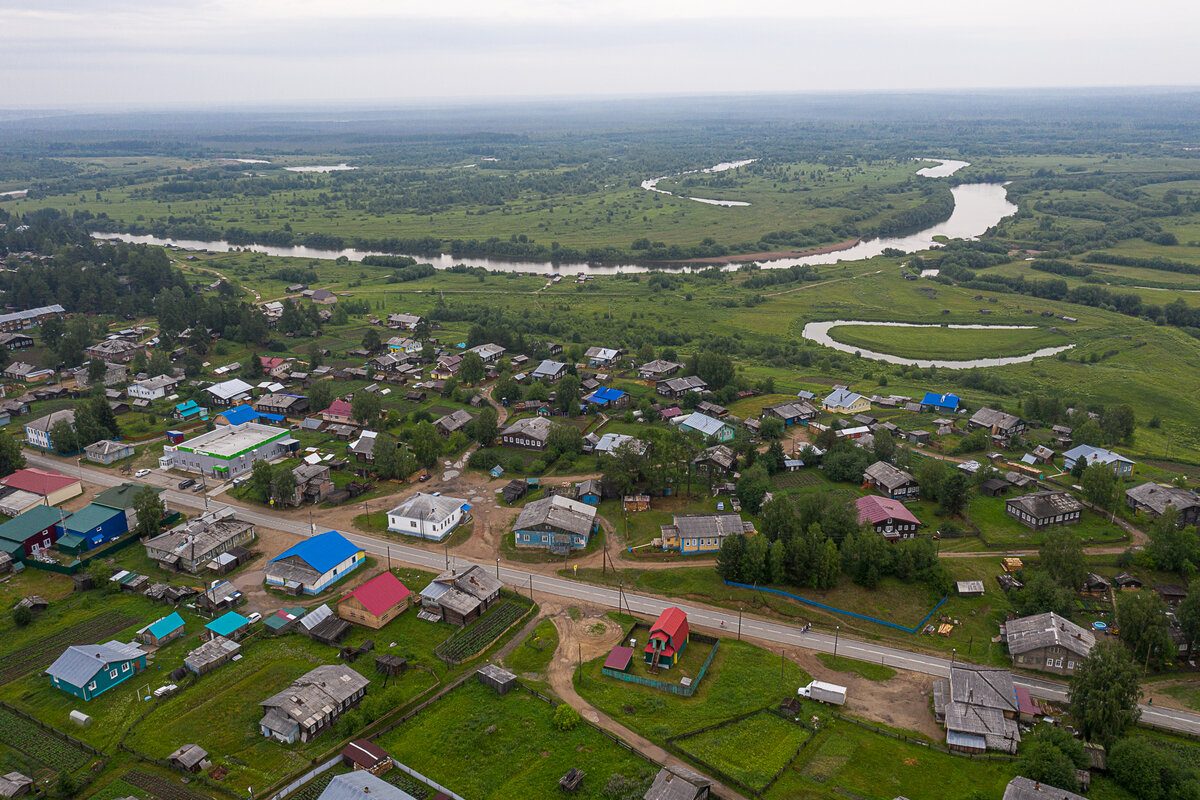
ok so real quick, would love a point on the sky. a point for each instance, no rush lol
(155, 53)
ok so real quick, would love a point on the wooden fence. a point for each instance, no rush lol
(683, 691)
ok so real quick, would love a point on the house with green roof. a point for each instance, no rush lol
(161, 631)
(122, 497)
(94, 524)
(35, 530)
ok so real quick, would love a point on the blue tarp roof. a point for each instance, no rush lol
(166, 625)
(223, 626)
(605, 395)
(323, 552)
(940, 400)
(236, 415)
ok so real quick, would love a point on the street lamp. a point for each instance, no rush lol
(836, 630)
(497, 569)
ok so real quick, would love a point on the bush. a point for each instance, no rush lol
(565, 718)
(22, 616)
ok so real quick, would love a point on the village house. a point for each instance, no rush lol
(549, 371)
(30, 533)
(716, 460)
(675, 388)
(312, 703)
(658, 370)
(600, 356)
(1021, 788)
(556, 522)
(283, 405)
(1154, 499)
(708, 427)
(1003, 427)
(376, 602)
(446, 367)
(313, 564)
(403, 345)
(197, 543)
(363, 448)
(979, 708)
(44, 485)
(404, 322)
(313, 483)
(230, 625)
(92, 669)
(669, 635)
(152, 388)
(489, 352)
(106, 451)
(339, 413)
(428, 516)
(20, 320)
(531, 433)
(459, 597)
(162, 631)
(37, 432)
(1047, 642)
(115, 351)
(890, 481)
(792, 413)
(1040, 510)
(26, 373)
(453, 422)
(15, 341)
(230, 392)
(887, 516)
(322, 296)
(190, 758)
(91, 526)
(1089, 455)
(939, 403)
(701, 533)
(844, 401)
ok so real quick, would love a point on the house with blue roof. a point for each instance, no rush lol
(236, 415)
(315, 564)
(162, 631)
(231, 625)
(1089, 455)
(95, 525)
(940, 402)
(91, 669)
(607, 397)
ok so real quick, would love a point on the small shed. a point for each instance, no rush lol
(189, 758)
(497, 677)
(34, 603)
(83, 581)
(162, 631)
(571, 781)
(514, 490)
(366, 755)
(970, 588)
(81, 719)
(636, 502)
(14, 784)
(994, 487)
(231, 625)
(620, 658)
(390, 666)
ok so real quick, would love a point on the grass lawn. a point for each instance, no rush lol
(947, 343)
(536, 651)
(645, 526)
(690, 662)
(750, 750)
(742, 678)
(998, 530)
(864, 669)
(510, 745)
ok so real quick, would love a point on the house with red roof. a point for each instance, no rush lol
(668, 636)
(887, 516)
(55, 487)
(339, 412)
(376, 602)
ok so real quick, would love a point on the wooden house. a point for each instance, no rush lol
(376, 602)
(668, 637)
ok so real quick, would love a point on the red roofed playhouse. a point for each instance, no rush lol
(376, 602)
(888, 517)
(668, 637)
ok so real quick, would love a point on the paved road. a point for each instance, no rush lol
(778, 633)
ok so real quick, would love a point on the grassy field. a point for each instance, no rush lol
(947, 343)
(863, 669)
(750, 750)
(534, 654)
(510, 745)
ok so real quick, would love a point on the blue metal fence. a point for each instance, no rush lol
(915, 629)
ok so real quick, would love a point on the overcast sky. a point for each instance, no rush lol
(64, 53)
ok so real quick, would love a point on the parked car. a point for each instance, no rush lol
(141, 473)
(199, 487)
(186, 482)
(424, 477)
(253, 618)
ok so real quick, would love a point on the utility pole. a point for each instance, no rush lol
(446, 550)
(836, 630)
(497, 569)
(389, 555)
(531, 587)
(739, 623)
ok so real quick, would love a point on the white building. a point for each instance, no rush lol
(152, 388)
(229, 450)
(37, 432)
(429, 516)
(230, 392)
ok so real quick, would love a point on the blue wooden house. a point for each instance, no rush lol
(556, 522)
(95, 525)
(88, 670)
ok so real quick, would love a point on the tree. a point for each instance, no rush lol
(623, 468)
(1104, 692)
(1043, 762)
(715, 369)
(1061, 556)
(954, 493)
(366, 407)
(865, 557)
(730, 557)
(564, 440)
(1143, 619)
(885, 445)
(567, 398)
(22, 616)
(426, 444)
(1099, 485)
(96, 370)
(752, 487)
(1042, 594)
(1188, 614)
(320, 395)
(63, 438)
(471, 370)
(314, 356)
(1151, 772)
(259, 484)
(385, 456)
(11, 457)
(1173, 548)
(283, 484)
(771, 428)
(930, 474)
(779, 519)
(150, 512)
(485, 426)
(507, 389)
(774, 458)
(565, 718)
(371, 340)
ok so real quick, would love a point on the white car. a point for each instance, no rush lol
(141, 473)
(253, 618)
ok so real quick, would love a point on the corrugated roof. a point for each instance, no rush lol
(38, 481)
(323, 552)
(381, 593)
(90, 516)
(227, 624)
(33, 521)
(236, 415)
(168, 624)
(79, 663)
(875, 509)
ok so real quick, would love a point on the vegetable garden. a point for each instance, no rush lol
(42, 653)
(160, 787)
(39, 744)
(475, 638)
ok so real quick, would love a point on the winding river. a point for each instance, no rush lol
(819, 332)
(977, 207)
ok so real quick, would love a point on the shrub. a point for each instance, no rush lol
(565, 718)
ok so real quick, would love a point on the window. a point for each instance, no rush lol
(1049, 662)
(125, 667)
(1058, 662)
(1070, 665)
(112, 673)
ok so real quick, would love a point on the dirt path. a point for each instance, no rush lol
(573, 637)
(821, 283)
